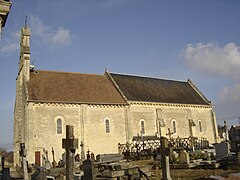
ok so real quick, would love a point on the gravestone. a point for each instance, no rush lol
(47, 165)
(88, 168)
(92, 156)
(222, 149)
(45, 162)
(39, 174)
(165, 159)
(184, 157)
(5, 174)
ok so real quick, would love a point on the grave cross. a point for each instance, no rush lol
(54, 163)
(169, 134)
(70, 144)
(165, 159)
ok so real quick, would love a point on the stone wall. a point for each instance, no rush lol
(169, 113)
(101, 127)
(89, 128)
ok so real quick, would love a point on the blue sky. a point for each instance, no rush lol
(168, 39)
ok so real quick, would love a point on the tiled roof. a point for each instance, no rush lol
(146, 89)
(52, 86)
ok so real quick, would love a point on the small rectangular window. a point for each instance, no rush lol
(107, 126)
(142, 127)
(59, 126)
(200, 126)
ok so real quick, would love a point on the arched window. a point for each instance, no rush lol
(59, 126)
(107, 126)
(200, 125)
(174, 126)
(142, 127)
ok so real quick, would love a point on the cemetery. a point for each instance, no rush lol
(143, 158)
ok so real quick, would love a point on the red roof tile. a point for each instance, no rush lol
(52, 86)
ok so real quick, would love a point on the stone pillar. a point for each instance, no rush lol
(70, 144)
(23, 155)
(165, 159)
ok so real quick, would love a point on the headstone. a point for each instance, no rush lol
(5, 174)
(70, 144)
(47, 165)
(88, 169)
(222, 149)
(40, 174)
(92, 156)
(45, 160)
(165, 159)
(184, 157)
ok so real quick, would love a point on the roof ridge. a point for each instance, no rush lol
(150, 77)
(64, 72)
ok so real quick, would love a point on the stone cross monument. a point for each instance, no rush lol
(70, 144)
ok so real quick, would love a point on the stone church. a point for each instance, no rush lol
(104, 109)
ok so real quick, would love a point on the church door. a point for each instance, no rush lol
(37, 158)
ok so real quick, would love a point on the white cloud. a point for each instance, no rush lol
(228, 104)
(47, 34)
(225, 61)
(9, 47)
(40, 32)
(230, 94)
(10, 43)
(61, 37)
(212, 58)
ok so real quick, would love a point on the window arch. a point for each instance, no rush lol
(142, 126)
(107, 126)
(174, 126)
(59, 126)
(200, 125)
